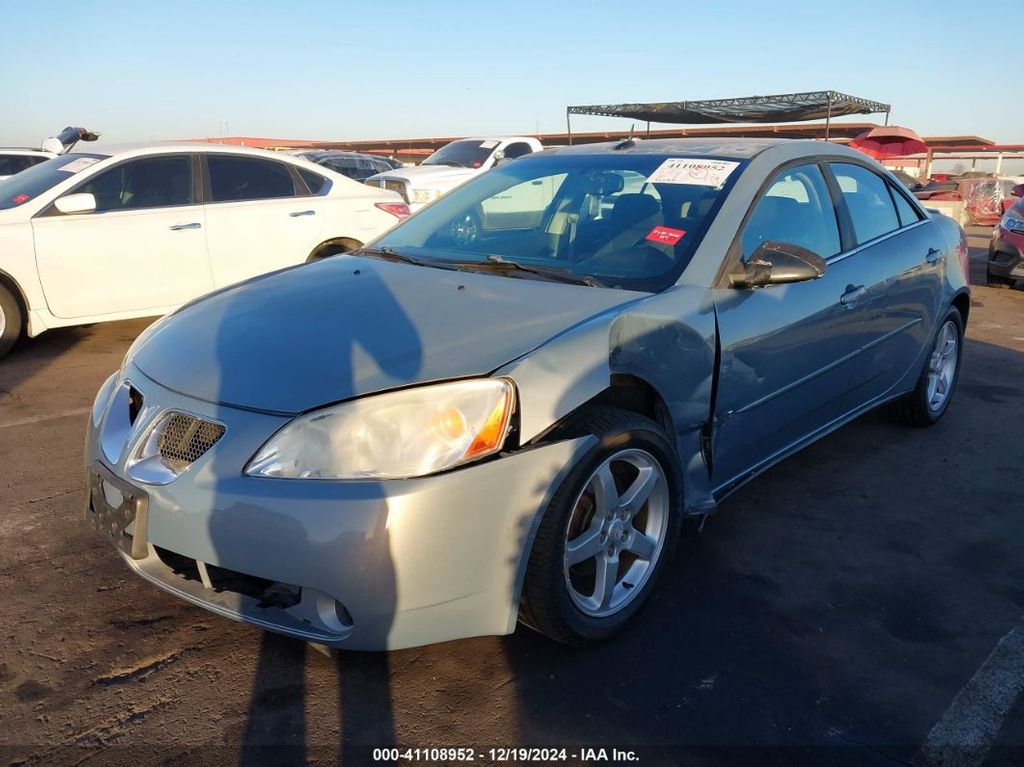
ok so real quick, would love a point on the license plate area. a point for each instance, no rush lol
(118, 511)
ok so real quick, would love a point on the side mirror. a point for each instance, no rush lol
(776, 263)
(81, 202)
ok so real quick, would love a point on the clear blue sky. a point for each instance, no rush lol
(354, 70)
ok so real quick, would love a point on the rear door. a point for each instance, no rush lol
(259, 214)
(899, 259)
(786, 350)
(144, 247)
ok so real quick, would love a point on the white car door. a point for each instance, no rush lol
(143, 248)
(256, 220)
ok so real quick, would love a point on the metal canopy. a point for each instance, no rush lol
(786, 107)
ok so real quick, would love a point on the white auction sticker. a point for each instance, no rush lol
(80, 164)
(489, 144)
(696, 171)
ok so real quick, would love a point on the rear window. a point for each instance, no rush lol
(314, 181)
(29, 184)
(16, 163)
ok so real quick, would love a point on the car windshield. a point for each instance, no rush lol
(624, 220)
(29, 184)
(462, 154)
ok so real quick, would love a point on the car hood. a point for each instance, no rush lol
(422, 175)
(347, 326)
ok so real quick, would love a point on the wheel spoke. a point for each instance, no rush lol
(638, 493)
(604, 579)
(642, 545)
(584, 546)
(606, 495)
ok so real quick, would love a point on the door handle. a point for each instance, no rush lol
(179, 227)
(297, 213)
(853, 295)
(933, 256)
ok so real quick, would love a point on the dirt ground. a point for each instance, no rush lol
(833, 608)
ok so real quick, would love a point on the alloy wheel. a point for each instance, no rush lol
(616, 532)
(942, 366)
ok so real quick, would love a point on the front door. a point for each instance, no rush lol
(786, 350)
(143, 248)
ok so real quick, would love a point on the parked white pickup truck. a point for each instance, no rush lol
(452, 165)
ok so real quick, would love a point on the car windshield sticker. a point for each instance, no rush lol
(665, 235)
(695, 171)
(80, 164)
(18, 199)
(488, 144)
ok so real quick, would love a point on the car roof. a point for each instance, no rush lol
(113, 149)
(721, 147)
(22, 150)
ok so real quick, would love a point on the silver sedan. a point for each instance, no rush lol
(503, 410)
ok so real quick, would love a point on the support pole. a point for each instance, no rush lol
(828, 117)
(928, 157)
(887, 116)
(649, 132)
(568, 125)
(999, 163)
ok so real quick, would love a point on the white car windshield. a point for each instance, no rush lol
(29, 184)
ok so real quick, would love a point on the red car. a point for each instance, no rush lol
(1006, 249)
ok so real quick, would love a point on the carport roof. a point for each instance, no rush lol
(786, 107)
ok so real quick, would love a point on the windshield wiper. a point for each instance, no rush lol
(390, 254)
(496, 263)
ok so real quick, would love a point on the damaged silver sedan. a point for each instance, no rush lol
(503, 410)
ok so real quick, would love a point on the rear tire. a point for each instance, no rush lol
(590, 522)
(930, 399)
(11, 320)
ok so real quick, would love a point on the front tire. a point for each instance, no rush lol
(993, 281)
(608, 531)
(930, 399)
(11, 320)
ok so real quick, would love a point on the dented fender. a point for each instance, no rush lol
(667, 340)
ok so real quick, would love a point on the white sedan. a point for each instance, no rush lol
(109, 235)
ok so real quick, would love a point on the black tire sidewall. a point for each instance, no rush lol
(14, 320)
(581, 627)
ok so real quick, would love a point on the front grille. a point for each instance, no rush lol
(185, 438)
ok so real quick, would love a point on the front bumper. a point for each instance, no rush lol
(1006, 255)
(362, 565)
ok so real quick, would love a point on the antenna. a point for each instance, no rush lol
(629, 141)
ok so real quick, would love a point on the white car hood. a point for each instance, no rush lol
(430, 176)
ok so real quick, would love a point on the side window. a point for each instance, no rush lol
(908, 215)
(517, 149)
(797, 209)
(521, 206)
(871, 208)
(151, 182)
(314, 181)
(248, 178)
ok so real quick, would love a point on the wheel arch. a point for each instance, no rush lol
(330, 247)
(12, 285)
(962, 303)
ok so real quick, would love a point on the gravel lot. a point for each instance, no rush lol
(834, 608)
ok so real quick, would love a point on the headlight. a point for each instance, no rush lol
(408, 433)
(425, 195)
